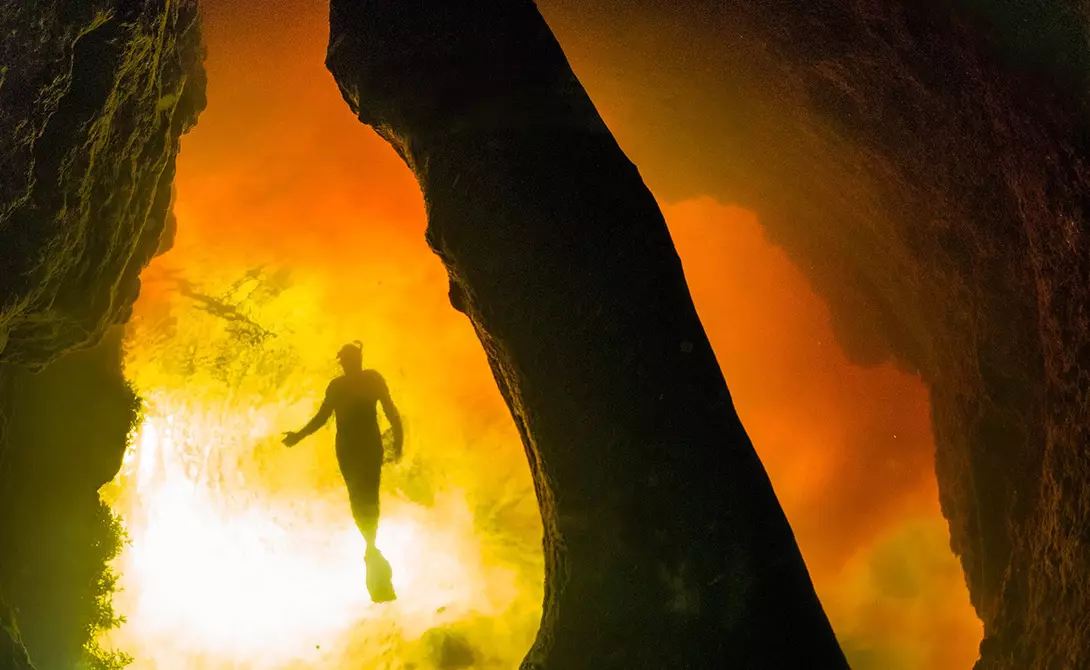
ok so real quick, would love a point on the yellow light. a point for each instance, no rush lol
(221, 575)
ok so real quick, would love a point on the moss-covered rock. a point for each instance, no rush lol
(94, 97)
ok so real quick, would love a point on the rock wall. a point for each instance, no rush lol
(94, 97)
(66, 437)
(665, 546)
(976, 163)
(925, 163)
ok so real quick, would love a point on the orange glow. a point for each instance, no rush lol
(303, 230)
(849, 449)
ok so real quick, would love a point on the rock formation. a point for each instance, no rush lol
(94, 97)
(64, 439)
(926, 164)
(665, 546)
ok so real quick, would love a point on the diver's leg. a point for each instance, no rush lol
(363, 492)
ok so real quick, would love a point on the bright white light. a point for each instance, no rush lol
(219, 576)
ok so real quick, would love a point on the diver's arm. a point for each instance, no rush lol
(319, 420)
(393, 417)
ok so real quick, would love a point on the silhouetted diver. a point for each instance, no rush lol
(352, 398)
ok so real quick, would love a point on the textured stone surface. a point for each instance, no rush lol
(94, 97)
(925, 163)
(665, 546)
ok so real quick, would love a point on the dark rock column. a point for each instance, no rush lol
(665, 545)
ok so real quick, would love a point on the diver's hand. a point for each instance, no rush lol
(399, 443)
(392, 454)
(291, 439)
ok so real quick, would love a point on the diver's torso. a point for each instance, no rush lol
(355, 398)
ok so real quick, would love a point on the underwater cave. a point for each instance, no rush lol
(867, 221)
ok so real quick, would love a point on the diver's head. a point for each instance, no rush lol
(351, 356)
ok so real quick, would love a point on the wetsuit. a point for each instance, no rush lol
(354, 398)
